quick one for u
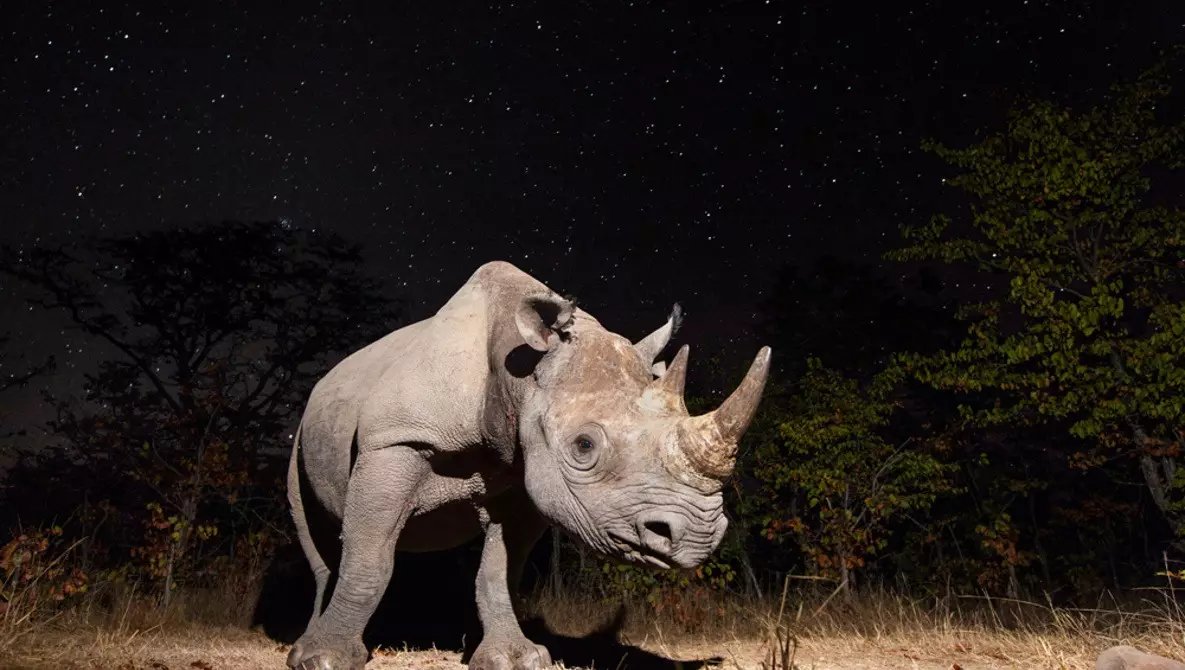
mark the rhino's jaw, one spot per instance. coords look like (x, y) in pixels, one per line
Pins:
(634, 552)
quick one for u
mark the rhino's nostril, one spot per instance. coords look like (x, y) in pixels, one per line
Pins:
(660, 531)
(659, 528)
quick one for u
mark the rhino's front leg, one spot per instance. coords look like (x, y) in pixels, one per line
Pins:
(378, 502)
(509, 538)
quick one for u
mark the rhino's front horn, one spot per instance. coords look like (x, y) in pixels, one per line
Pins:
(710, 443)
(734, 415)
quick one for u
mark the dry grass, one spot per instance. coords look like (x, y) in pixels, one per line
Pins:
(886, 630)
(812, 629)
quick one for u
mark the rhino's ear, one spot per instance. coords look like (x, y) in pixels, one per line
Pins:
(652, 345)
(543, 320)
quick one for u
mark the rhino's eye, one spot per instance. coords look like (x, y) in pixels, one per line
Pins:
(584, 450)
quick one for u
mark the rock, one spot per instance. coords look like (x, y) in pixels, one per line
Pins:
(1130, 658)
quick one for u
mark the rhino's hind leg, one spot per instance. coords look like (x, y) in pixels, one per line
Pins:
(378, 503)
(514, 528)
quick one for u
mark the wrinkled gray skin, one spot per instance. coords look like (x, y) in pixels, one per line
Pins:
(1130, 658)
(507, 411)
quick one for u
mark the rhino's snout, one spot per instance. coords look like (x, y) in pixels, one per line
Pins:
(666, 538)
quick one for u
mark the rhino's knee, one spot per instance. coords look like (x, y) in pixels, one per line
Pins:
(361, 591)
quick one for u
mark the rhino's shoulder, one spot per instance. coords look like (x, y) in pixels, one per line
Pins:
(498, 271)
(432, 385)
(426, 383)
(503, 285)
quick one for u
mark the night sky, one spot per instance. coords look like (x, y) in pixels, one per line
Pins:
(632, 154)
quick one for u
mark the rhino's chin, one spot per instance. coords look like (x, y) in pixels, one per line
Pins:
(632, 551)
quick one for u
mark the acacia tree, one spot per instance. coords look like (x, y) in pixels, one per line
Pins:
(1090, 330)
(216, 335)
(11, 378)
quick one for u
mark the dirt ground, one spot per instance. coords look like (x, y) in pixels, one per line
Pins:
(234, 649)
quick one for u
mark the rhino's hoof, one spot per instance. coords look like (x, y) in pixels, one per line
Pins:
(318, 655)
(510, 655)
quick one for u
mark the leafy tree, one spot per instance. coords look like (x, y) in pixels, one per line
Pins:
(833, 480)
(855, 318)
(216, 335)
(1089, 332)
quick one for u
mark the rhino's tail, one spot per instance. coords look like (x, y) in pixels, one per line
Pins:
(294, 498)
(301, 519)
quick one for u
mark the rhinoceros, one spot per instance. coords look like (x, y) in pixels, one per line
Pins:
(508, 411)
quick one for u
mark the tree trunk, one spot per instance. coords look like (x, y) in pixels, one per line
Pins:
(752, 587)
(168, 594)
(177, 549)
(1158, 485)
(845, 576)
(1041, 555)
(1158, 471)
(1111, 556)
(844, 556)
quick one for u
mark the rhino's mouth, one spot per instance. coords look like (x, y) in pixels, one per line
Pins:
(634, 551)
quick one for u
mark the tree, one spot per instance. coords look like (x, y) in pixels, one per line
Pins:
(10, 379)
(833, 479)
(1090, 330)
(216, 335)
(855, 318)
(14, 379)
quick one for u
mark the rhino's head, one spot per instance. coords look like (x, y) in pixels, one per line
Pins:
(611, 453)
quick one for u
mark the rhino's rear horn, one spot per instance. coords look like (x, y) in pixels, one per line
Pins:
(674, 377)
